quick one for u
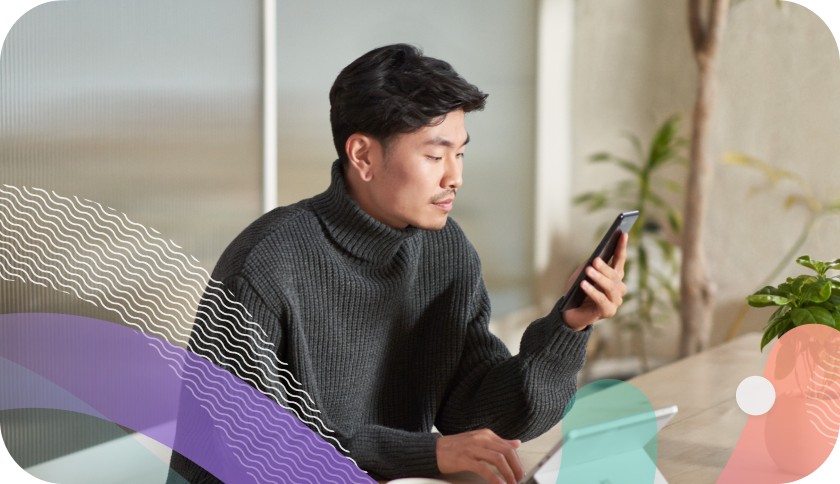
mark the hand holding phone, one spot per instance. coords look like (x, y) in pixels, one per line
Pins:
(605, 250)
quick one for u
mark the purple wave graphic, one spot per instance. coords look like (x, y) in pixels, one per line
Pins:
(127, 377)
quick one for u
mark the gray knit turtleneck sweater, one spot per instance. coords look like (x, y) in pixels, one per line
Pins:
(387, 331)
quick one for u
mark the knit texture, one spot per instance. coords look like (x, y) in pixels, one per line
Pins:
(387, 330)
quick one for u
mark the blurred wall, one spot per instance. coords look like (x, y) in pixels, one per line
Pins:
(148, 107)
(780, 102)
(491, 44)
(777, 100)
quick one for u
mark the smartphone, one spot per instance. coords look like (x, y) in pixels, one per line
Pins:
(605, 250)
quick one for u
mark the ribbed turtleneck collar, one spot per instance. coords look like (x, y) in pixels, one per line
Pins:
(352, 228)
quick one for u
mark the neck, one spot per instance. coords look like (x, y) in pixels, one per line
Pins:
(356, 231)
(357, 189)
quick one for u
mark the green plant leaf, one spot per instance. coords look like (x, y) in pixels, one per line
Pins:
(795, 199)
(656, 200)
(832, 304)
(764, 300)
(670, 287)
(805, 260)
(604, 157)
(793, 287)
(768, 290)
(667, 249)
(771, 291)
(627, 187)
(637, 144)
(663, 143)
(629, 166)
(649, 296)
(786, 357)
(586, 197)
(816, 291)
(821, 267)
(778, 324)
(600, 156)
(811, 315)
(675, 220)
(593, 200)
(670, 185)
(771, 173)
(741, 159)
(642, 260)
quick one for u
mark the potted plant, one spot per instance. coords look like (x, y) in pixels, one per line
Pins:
(799, 429)
(798, 193)
(804, 299)
(653, 256)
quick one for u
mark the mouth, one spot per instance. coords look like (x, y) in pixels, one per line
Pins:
(445, 200)
(445, 205)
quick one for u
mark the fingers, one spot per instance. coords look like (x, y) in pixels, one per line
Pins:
(620, 256)
(608, 280)
(485, 472)
(482, 452)
(608, 291)
(605, 294)
(503, 462)
(605, 308)
(501, 455)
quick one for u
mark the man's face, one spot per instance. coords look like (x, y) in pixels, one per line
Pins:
(418, 175)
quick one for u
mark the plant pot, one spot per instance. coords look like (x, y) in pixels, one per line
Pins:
(799, 433)
(802, 426)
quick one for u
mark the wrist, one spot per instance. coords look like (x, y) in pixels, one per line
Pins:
(573, 324)
(573, 327)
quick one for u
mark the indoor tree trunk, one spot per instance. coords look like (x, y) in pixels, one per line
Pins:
(696, 291)
(695, 284)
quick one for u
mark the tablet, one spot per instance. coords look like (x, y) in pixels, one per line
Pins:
(605, 250)
(600, 447)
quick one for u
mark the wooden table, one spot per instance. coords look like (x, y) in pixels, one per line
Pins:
(697, 444)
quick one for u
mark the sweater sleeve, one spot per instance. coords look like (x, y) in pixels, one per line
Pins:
(517, 397)
(389, 453)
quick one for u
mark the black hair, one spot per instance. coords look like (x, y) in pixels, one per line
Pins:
(396, 89)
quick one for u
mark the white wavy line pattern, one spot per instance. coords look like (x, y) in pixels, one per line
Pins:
(259, 426)
(820, 426)
(114, 263)
(824, 396)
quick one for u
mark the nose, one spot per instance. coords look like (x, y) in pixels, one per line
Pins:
(452, 177)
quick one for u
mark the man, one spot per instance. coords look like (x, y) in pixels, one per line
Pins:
(375, 298)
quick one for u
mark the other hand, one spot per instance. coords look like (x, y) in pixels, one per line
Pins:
(482, 452)
(605, 296)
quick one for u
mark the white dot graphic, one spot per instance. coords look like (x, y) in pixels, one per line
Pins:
(755, 395)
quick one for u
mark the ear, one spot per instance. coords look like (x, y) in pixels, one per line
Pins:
(363, 152)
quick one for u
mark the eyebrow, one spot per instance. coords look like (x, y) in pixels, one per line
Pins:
(438, 140)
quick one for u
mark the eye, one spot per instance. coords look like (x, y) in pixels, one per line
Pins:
(460, 155)
(434, 158)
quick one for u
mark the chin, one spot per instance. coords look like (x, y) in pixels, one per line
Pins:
(436, 224)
